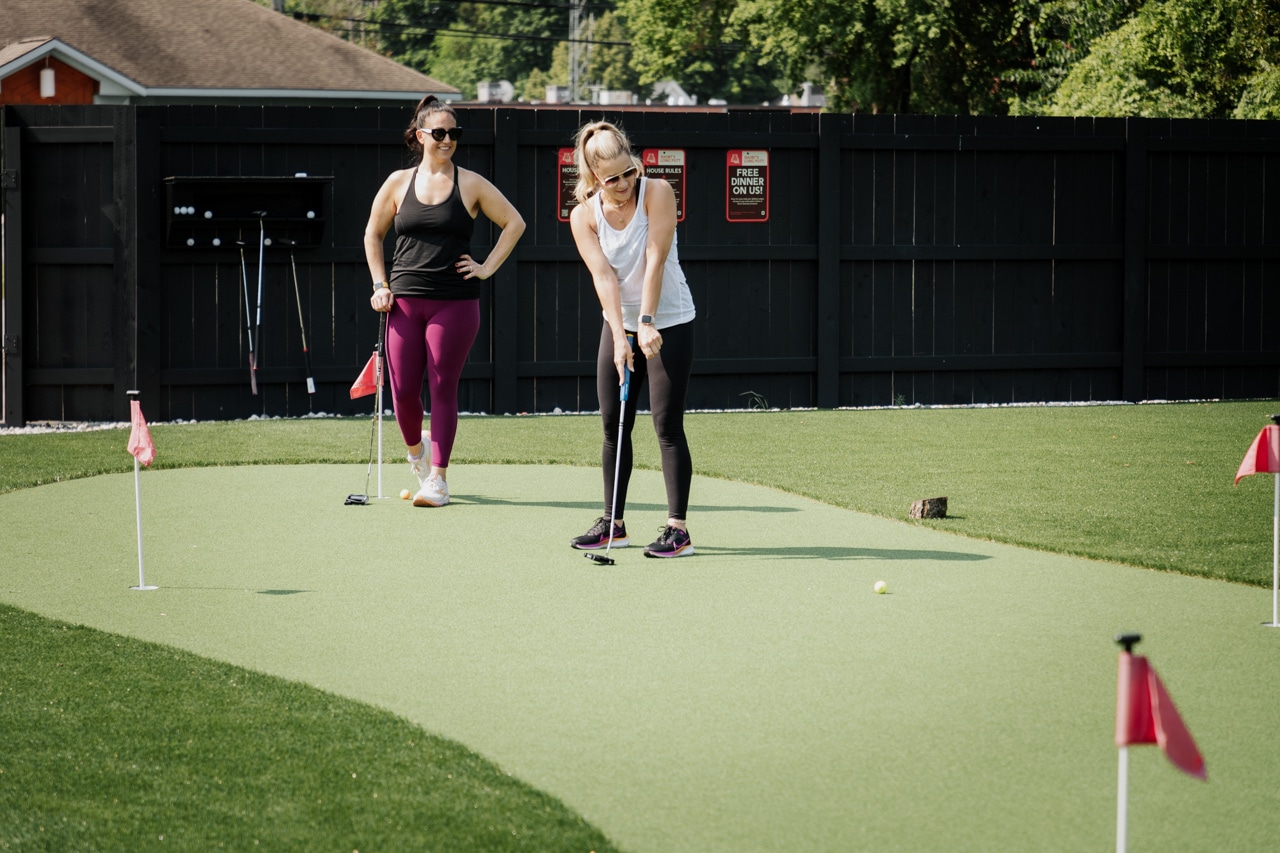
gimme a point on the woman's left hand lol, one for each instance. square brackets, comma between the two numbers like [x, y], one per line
[650, 340]
[469, 268]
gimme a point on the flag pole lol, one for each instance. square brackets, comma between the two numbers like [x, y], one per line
[137, 505]
[1122, 802]
[1275, 558]
[1128, 641]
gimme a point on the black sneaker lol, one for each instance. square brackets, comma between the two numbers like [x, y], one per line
[598, 536]
[672, 542]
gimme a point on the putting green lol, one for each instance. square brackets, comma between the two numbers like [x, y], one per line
[755, 696]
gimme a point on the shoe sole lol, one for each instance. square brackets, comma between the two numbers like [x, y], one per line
[421, 501]
[679, 552]
[617, 543]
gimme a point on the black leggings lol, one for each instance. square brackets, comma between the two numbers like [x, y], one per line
[668, 375]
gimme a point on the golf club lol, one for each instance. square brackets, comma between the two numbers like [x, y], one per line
[625, 391]
[302, 324]
[248, 322]
[363, 499]
[262, 243]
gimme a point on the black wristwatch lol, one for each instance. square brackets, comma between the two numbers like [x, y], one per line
[646, 319]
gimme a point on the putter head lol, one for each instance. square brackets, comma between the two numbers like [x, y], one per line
[602, 559]
[356, 500]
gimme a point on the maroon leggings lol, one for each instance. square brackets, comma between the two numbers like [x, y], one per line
[429, 338]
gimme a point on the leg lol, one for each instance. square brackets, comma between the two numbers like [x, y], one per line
[406, 359]
[607, 391]
[668, 385]
[450, 333]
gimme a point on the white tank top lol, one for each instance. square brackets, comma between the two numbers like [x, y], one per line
[624, 249]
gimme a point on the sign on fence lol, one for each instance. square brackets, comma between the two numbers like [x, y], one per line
[747, 186]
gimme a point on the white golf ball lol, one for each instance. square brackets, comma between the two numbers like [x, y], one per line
[880, 587]
[191, 241]
[208, 214]
[177, 211]
[217, 241]
[266, 241]
[311, 214]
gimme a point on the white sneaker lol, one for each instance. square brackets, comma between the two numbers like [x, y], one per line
[434, 492]
[421, 465]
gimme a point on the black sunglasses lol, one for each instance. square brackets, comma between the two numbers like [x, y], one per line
[621, 176]
[439, 133]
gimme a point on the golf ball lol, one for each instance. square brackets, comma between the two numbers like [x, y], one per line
[208, 214]
[880, 587]
[191, 241]
[404, 494]
[311, 214]
[217, 242]
[266, 241]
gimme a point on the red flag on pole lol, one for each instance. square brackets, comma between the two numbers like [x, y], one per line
[140, 443]
[1146, 714]
[1264, 454]
[367, 382]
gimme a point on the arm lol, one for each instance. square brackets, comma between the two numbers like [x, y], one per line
[490, 201]
[381, 217]
[605, 280]
[660, 206]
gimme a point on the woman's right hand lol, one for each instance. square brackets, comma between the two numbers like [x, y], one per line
[382, 299]
[623, 356]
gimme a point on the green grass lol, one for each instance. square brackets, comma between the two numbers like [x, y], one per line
[1144, 485]
[111, 743]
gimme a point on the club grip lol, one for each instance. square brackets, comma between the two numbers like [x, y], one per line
[625, 390]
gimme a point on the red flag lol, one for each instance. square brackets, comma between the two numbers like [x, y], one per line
[367, 382]
[1264, 454]
[140, 443]
[1146, 714]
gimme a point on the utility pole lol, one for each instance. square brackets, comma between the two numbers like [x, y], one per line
[577, 51]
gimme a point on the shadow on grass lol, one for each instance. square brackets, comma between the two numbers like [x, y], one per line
[632, 506]
[826, 553]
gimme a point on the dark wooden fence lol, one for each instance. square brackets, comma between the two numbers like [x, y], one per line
[904, 259]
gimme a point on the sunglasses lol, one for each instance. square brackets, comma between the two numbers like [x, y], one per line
[621, 176]
[439, 133]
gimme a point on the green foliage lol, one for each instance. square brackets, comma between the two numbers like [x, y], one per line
[891, 55]
[475, 50]
[408, 30]
[126, 745]
[1179, 59]
[698, 44]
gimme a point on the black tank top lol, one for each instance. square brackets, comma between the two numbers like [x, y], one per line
[430, 238]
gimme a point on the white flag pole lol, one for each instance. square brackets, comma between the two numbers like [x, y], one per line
[137, 505]
[1122, 802]
[1275, 558]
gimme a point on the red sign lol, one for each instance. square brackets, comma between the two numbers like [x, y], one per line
[568, 171]
[747, 186]
[668, 164]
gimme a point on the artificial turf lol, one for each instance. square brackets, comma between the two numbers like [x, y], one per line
[933, 734]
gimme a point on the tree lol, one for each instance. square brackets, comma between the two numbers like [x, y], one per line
[490, 42]
[407, 29]
[1180, 58]
[944, 56]
[695, 43]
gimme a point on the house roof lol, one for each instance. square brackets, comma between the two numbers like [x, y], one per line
[170, 49]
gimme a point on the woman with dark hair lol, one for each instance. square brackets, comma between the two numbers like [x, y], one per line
[625, 230]
[432, 295]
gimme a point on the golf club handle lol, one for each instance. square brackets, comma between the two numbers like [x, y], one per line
[625, 391]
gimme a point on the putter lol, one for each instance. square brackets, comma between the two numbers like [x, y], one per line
[262, 244]
[604, 559]
[248, 322]
[363, 499]
[302, 324]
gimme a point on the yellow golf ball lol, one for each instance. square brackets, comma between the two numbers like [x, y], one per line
[404, 494]
[880, 587]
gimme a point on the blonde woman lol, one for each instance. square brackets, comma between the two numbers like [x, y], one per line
[432, 295]
[625, 229]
